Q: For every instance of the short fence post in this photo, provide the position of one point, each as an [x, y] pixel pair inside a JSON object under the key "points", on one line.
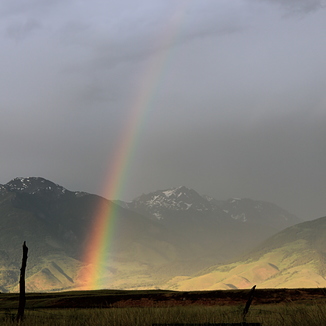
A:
{"points": [[247, 306]]}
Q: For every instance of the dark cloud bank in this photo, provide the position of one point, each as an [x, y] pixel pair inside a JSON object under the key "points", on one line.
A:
{"points": [[237, 111]]}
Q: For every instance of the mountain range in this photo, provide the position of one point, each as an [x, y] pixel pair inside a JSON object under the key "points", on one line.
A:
{"points": [[292, 258], [173, 238]]}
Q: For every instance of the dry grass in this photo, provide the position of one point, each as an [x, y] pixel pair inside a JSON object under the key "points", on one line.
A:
{"points": [[269, 315], [143, 308]]}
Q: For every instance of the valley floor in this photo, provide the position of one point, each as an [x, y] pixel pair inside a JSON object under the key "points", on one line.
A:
{"points": [[280, 307], [161, 298]]}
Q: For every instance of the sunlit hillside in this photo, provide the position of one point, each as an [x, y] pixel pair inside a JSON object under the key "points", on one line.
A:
{"points": [[292, 258]]}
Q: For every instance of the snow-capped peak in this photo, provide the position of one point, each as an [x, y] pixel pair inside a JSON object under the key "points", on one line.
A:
{"points": [[34, 185], [160, 202]]}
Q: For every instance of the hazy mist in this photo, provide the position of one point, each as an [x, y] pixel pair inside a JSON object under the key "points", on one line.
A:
{"points": [[237, 109]]}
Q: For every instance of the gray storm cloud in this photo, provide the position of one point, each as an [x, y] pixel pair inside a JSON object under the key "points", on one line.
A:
{"points": [[301, 6], [236, 108]]}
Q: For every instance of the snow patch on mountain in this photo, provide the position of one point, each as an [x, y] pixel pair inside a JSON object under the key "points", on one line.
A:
{"points": [[169, 193], [35, 185], [248, 210], [159, 203], [164, 203], [241, 217]]}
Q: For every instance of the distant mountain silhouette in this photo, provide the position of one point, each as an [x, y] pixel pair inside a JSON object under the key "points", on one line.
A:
{"points": [[160, 235]]}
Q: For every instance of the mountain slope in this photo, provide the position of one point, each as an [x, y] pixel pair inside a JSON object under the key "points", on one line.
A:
{"points": [[294, 257], [156, 237], [213, 224], [257, 211], [162, 203], [55, 223]]}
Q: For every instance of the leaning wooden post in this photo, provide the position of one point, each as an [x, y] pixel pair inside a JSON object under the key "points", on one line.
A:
{"points": [[247, 306], [22, 298]]}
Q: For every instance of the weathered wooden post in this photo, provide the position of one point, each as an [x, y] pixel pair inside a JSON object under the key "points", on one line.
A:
{"points": [[22, 298], [243, 323], [247, 306]]}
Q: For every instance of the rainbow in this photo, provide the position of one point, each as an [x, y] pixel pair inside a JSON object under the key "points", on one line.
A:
{"points": [[99, 245]]}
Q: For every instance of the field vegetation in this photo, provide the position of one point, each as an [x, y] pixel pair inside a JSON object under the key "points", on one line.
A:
{"points": [[142, 308]]}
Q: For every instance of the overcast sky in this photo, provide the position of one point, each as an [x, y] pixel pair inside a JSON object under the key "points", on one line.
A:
{"points": [[235, 96]]}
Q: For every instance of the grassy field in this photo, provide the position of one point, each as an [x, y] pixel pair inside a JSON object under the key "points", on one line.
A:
{"points": [[142, 308]]}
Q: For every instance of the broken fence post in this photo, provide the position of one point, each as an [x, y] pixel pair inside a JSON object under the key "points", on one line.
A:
{"points": [[22, 298], [246, 308]]}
